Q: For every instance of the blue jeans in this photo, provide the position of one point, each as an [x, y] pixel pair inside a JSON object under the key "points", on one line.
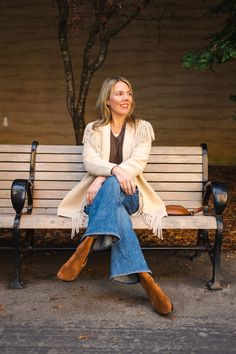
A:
{"points": [[110, 223]]}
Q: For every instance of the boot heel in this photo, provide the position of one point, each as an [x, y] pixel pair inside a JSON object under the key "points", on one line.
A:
{"points": [[72, 268], [159, 300]]}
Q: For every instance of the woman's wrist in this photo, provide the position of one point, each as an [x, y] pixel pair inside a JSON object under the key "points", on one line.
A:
{"points": [[111, 173], [101, 179]]}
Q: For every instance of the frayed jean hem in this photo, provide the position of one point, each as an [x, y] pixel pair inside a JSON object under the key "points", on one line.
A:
{"points": [[102, 241], [129, 278]]}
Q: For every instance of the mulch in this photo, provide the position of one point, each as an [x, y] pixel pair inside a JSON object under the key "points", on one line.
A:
{"points": [[226, 174]]}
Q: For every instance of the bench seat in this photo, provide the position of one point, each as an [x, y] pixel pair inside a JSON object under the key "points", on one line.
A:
{"points": [[48, 221], [35, 178]]}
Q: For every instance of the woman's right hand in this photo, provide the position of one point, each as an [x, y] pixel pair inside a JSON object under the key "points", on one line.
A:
{"points": [[126, 181], [94, 188]]}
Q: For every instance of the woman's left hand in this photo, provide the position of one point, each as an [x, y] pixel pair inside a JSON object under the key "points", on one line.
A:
{"points": [[94, 188], [126, 181]]}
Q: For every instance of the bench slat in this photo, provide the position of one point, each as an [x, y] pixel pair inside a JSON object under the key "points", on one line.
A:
{"points": [[60, 167], [73, 167], [175, 159], [5, 184], [67, 149], [49, 185], [177, 186], [171, 177], [5, 194], [76, 176], [64, 176], [153, 158], [53, 203], [59, 149], [50, 194], [170, 222], [5, 175], [6, 157], [67, 185], [181, 222], [59, 194], [6, 220], [15, 148], [173, 150], [14, 166], [191, 196], [45, 185], [4, 211], [177, 168], [59, 158]]}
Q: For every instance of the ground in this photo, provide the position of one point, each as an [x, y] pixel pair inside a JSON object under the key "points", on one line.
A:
{"points": [[95, 315]]}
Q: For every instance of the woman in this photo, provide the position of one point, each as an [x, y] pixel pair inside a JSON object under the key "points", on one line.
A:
{"points": [[116, 150]]}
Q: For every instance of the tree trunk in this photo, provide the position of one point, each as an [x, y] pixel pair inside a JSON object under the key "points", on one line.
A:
{"points": [[63, 8]]}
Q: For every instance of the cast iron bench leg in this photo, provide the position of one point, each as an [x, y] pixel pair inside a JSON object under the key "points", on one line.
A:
{"points": [[214, 284]]}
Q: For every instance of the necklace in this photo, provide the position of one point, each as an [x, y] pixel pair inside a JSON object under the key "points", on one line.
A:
{"points": [[116, 130]]}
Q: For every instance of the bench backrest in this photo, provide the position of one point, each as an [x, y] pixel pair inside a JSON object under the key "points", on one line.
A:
{"points": [[177, 174]]}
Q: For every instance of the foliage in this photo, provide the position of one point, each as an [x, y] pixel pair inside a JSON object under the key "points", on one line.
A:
{"points": [[222, 46]]}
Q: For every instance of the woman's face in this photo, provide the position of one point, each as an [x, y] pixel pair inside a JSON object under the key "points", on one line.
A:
{"points": [[120, 100]]}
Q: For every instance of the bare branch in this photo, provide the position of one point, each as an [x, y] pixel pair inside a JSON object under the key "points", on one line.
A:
{"points": [[135, 13], [63, 8]]}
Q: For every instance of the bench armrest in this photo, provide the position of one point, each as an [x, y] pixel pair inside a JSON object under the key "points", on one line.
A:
{"points": [[19, 190], [220, 197]]}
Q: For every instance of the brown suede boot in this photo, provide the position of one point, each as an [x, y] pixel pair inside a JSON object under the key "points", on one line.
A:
{"points": [[157, 297], [71, 269]]}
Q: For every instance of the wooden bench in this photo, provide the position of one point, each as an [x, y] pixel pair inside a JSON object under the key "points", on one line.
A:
{"points": [[34, 178]]}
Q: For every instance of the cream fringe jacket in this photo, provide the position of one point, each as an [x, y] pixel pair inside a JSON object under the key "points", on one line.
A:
{"points": [[96, 152]]}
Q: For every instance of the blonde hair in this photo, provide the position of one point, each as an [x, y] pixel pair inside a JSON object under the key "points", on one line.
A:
{"points": [[104, 113]]}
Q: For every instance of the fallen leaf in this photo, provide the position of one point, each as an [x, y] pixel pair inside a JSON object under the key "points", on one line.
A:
{"points": [[59, 307], [83, 337], [2, 307], [141, 313]]}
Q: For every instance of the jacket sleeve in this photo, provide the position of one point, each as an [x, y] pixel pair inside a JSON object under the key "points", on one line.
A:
{"points": [[93, 162], [140, 154]]}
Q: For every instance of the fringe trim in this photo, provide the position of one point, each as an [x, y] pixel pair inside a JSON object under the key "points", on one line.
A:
{"points": [[152, 221], [79, 220], [145, 133]]}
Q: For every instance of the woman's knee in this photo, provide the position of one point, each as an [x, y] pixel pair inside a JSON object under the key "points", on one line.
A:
{"points": [[112, 182]]}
